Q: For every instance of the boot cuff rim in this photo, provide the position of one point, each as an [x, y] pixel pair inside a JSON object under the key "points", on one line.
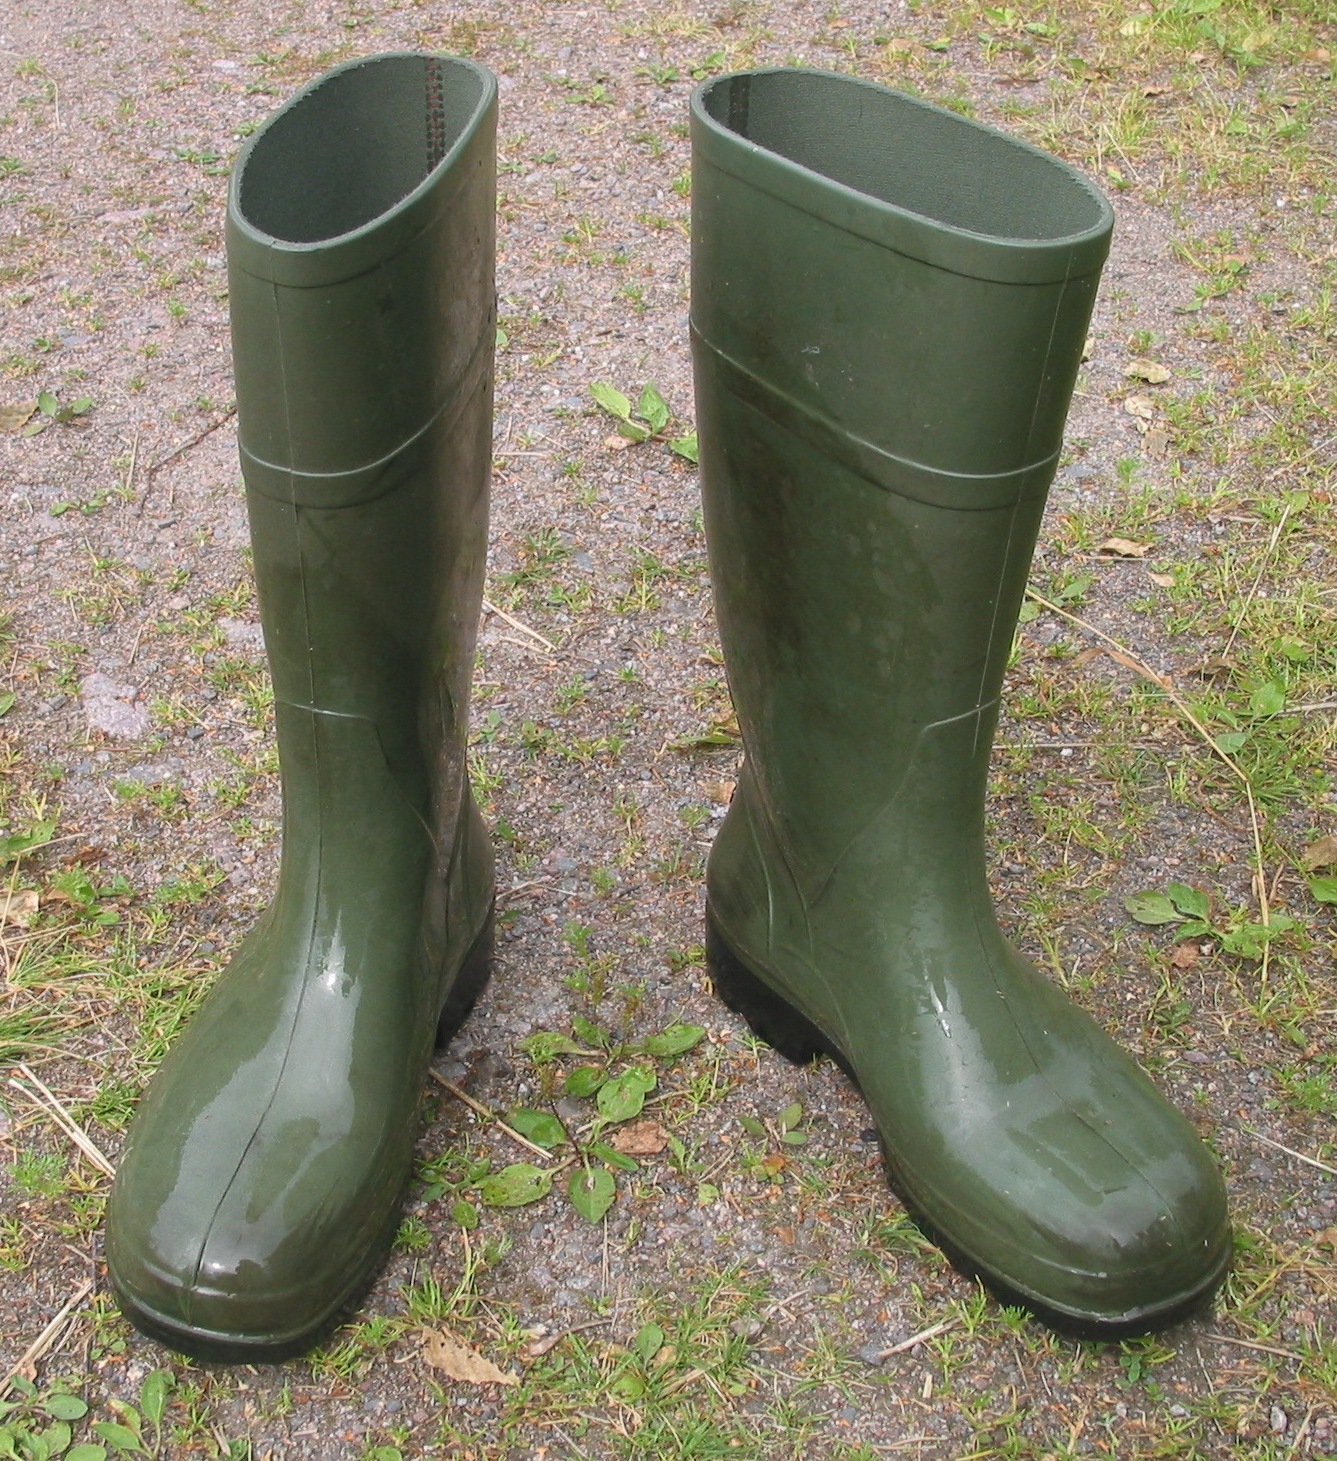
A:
{"points": [[320, 262], [999, 257]]}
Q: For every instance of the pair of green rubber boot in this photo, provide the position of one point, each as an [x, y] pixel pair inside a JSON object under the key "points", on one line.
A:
{"points": [[888, 310]]}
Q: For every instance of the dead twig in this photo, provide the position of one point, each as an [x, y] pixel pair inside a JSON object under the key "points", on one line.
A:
{"points": [[1285, 1354], [63, 1119], [1131, 661], [922, 1337], [1291, 1152], [488, 1114], [177, 452], [515, 623], [47, 1338]]}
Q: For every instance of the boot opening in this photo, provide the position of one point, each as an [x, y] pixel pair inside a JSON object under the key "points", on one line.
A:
{"points": [[909, 154], [355, 145]]}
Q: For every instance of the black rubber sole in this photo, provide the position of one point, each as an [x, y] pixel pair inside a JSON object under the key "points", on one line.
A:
{"points": [[210, 1348], [773, 1019]]}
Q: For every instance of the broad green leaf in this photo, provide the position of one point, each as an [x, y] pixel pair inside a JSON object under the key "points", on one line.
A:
{"points": [[65, 1407], [1190, 901], [38, 835], [794, 1138], [541, 1127], [1229, 742], [1250, 939], [653, 408], [752, 1126], [620, 1099], [54, 1439], [592, 1192], [640, 1078], [648, 1342], [1194, 928], [628, 1388], [633, 431], [673, 1040], [1152, 908], [153, 1394], [86, 1451], [47, 404], [584, 1080], [465, 1213], [606, 394], [589, 1032], [613, 1157], [120, 1437], [80, 407], [7, 702], [1269, 699], [706, 1193], [1324, 889], [515, 1186], [544, 1046], [790, 1117], [686, 447]]}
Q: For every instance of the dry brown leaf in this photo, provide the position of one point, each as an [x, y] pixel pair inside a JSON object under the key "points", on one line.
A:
{"points": [[15, 418], [1088, 347], [640, 1139], [1131, 664], [18, 908], [1124, 548], [1322, 853], [543, 1343], [618, 443], [1185, 956], [1328, 1237], [1157, 441], [1086, 656], [721, 792], [1151, 371], [1166, 580], [444, 1352]]}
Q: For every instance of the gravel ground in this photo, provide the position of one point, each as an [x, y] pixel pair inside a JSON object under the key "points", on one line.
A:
{"points": [[785, 1273]]}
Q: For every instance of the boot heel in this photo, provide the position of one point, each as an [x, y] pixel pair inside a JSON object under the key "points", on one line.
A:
{"points": [[469, 984], [772, 1018]]}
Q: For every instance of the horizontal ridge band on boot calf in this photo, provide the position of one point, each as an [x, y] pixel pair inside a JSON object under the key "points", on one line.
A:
{"points": [[262, 1180], [889, 305]]}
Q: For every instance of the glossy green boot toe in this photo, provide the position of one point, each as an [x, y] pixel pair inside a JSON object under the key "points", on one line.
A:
{"points": [[889, 304], [261, 1183]]}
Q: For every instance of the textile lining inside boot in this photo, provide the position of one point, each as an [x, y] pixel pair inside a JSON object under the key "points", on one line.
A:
{"points": [[361, 142]]}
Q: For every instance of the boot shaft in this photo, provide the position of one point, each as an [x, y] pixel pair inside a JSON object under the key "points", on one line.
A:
{"points": [[889, 306], [911, 282], [360, 245]]}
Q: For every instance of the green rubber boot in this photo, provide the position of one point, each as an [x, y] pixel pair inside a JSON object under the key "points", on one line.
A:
{"points": [[261, 1184], [889, 304]]}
